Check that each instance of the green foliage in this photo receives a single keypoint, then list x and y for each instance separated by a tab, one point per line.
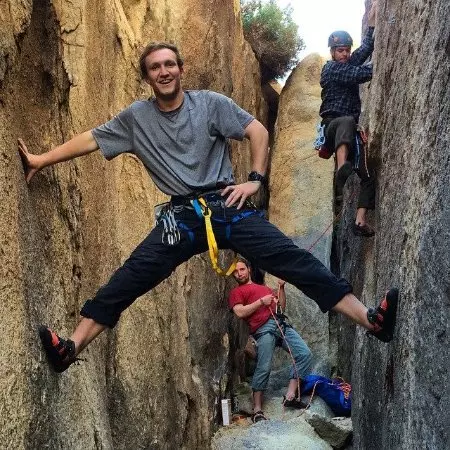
273	36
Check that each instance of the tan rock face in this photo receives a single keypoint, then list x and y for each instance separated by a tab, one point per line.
151	383
301	192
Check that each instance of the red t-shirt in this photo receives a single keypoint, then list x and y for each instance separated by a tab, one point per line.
250	293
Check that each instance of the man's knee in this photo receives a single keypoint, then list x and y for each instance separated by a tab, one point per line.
303	354
345	132
347	122
263	365
308	359
261	375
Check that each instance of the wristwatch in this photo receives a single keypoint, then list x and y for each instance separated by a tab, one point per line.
255	176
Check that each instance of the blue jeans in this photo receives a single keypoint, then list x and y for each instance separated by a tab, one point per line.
268	336
253	237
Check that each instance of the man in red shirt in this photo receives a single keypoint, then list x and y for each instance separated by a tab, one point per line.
257	305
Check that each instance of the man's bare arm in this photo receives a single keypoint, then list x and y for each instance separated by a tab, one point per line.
245	311
259	148
79	145
259	145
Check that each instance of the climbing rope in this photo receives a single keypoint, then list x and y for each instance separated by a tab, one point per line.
336	219
343	386
287	344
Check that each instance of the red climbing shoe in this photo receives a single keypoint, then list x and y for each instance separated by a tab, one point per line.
60	352
383	317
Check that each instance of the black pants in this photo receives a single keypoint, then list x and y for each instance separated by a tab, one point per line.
253	237
342	130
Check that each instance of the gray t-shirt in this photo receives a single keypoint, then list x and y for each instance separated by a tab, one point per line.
183	151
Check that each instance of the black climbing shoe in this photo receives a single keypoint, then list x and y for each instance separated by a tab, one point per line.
258	416
383	317
363	230
60	352
294	403
341	177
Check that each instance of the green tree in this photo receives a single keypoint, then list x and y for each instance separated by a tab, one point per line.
273	36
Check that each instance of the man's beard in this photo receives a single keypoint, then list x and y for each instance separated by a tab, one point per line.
243	281
170	95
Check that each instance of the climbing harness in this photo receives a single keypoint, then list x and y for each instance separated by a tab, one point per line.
171	227
165	215
360	143
203	211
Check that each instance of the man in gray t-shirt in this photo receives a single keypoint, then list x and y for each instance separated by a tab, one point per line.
178	159
181	137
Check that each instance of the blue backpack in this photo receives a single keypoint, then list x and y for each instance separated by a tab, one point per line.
336	393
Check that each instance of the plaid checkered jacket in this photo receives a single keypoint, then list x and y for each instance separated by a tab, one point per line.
340	82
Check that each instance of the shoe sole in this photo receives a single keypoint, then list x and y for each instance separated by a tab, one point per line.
301	406
46	341
362	233
389	320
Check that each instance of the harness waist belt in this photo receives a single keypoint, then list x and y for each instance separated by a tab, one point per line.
186	199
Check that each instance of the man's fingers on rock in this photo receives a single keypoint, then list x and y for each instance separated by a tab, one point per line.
24	161
22	146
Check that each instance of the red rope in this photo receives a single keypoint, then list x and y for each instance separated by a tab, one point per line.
338	217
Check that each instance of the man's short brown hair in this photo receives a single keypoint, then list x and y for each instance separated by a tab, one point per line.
152	47
241	259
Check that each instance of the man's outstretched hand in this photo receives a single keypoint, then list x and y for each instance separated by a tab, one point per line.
30	162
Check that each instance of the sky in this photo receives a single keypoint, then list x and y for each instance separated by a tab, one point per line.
317	19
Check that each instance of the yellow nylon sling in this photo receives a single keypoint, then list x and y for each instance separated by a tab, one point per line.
212	244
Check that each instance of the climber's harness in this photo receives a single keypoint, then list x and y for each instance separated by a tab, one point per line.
359	145
201	204
282	322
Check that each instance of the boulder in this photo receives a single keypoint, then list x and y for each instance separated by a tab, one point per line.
337	431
